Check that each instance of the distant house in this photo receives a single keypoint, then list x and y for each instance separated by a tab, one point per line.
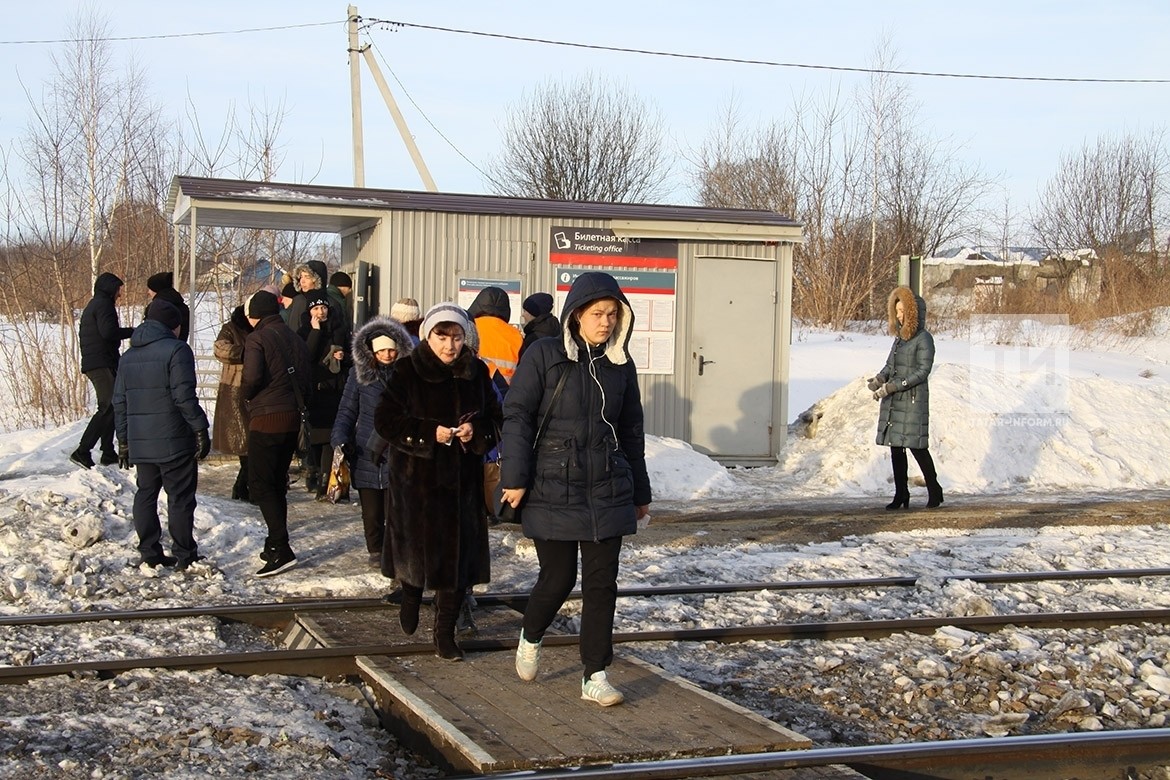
983	273
225	275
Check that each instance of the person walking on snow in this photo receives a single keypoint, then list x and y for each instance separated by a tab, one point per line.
162	431
100	335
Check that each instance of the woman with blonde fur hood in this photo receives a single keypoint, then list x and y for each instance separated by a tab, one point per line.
902	388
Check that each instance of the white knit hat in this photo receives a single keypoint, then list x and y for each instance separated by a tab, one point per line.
443	312
405	310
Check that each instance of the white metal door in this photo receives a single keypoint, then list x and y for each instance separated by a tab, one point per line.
731	356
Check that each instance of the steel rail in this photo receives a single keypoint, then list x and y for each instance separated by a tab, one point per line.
339	660
276	612
1039	756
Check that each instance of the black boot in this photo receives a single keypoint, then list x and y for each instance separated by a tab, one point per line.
465	626
930	475
901	483
446	613
408	612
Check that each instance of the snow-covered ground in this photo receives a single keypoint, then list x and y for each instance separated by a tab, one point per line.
1037	418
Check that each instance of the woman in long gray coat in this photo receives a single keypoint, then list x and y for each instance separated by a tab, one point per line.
902	388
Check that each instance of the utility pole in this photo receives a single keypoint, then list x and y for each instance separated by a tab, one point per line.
355	98
355	91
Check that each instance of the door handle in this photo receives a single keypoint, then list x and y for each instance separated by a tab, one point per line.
703	362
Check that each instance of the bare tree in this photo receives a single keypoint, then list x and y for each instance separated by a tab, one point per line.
83	197
1110	197
588	140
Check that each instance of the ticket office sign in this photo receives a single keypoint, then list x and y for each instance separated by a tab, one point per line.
599	246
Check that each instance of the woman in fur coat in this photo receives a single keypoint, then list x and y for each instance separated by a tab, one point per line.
439	416
902	388
375	348
229	433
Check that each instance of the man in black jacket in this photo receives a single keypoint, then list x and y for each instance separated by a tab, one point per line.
100	335
161	430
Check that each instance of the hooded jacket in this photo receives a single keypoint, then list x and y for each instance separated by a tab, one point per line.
588	472
99	332
156	411
904	415
367	382
499	342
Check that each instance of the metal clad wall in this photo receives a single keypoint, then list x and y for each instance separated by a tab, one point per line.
425	252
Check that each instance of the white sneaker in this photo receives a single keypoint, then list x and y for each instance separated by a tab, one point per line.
527	658
598	689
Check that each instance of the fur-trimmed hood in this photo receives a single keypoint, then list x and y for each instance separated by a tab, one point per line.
589	287
910	303
364	363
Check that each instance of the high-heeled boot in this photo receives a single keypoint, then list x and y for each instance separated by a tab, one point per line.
930	476
901	483
446	613
408	611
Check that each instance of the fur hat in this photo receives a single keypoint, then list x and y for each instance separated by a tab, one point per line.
262	304
164	280
164	312
405	310
341	279
443	312
538	304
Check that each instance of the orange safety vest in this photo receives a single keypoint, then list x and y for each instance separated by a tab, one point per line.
499	346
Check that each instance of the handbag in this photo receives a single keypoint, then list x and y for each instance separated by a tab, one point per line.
503	510
338	488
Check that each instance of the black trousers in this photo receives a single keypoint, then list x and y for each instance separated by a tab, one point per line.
900	465
269	456
373	503
101	425
558	574
179	478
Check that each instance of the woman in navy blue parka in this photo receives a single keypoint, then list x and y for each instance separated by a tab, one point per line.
584	484
376	346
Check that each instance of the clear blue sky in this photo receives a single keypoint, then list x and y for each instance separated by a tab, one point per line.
1014	130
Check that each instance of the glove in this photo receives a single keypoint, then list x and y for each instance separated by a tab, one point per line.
347	452
204	443
873	384
123	455
883	391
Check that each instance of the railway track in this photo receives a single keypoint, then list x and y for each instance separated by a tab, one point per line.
337	661
1116	755
273	614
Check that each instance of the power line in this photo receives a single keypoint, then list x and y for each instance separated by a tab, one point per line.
422	113
169	35
769	63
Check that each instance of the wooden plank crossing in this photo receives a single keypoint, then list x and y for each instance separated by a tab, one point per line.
480	717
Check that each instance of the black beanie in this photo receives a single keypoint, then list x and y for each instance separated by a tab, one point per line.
164	312
164	280
262	304
538	304
341	279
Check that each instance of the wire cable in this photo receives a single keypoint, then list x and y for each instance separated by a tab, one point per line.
423	114
769	63
163	36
